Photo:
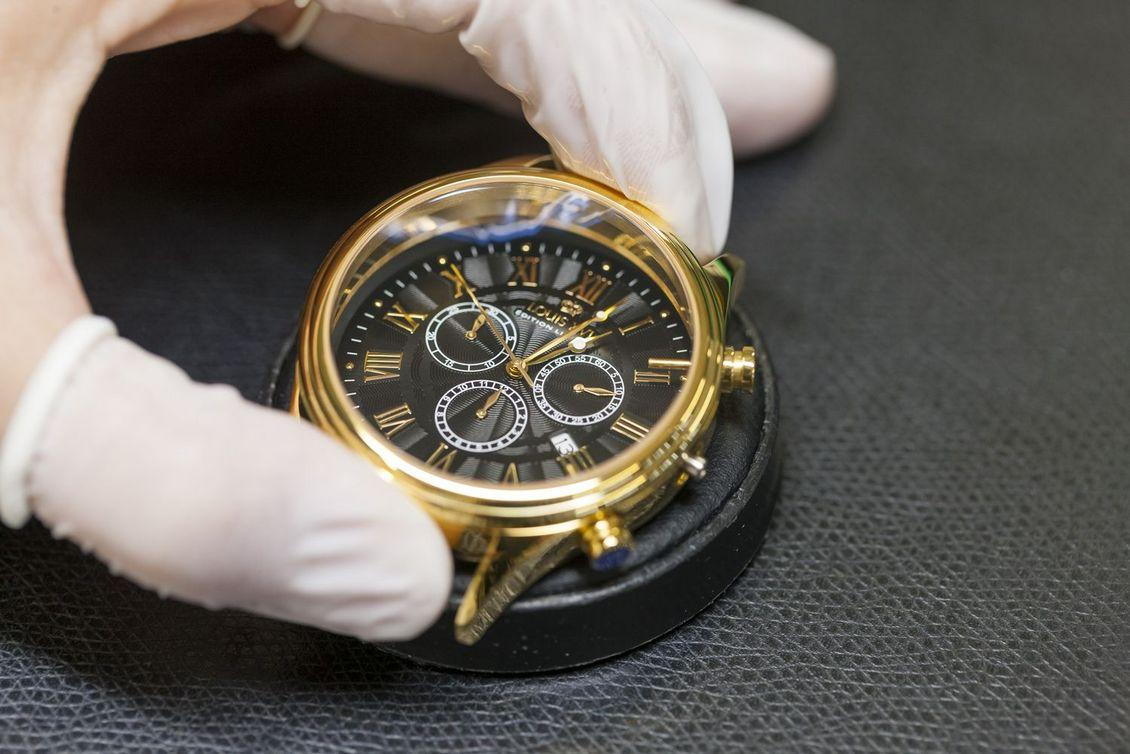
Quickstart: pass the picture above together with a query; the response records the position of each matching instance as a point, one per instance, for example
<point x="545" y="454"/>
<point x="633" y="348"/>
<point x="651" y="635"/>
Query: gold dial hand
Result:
<point x="516" y="364"/>
<point x="474" y="331"/>
<point x="576" y="345"/>
<point x="599" y="316"/>
<point x="604" y="392"/>
<point x="490" y="401"/>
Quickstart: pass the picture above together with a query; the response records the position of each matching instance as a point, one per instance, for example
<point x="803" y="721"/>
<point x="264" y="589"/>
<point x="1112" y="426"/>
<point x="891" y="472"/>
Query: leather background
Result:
<point x="941" y="274"/>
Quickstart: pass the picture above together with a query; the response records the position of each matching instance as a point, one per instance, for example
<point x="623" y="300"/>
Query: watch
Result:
<point x="533" y="358"/>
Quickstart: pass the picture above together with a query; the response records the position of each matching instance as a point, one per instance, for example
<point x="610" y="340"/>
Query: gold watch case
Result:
<point x="519" y="531"/>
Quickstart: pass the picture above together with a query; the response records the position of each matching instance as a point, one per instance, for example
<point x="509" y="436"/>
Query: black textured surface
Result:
<point x="683" y="559"/>
<point x="941" y="274"/>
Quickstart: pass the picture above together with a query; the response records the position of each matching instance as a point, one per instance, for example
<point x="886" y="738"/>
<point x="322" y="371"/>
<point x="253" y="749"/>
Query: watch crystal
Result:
<point x="510" y="350"/>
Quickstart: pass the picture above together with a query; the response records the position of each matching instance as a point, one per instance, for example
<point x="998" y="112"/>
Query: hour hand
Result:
<point x="492" y="399"/>
<point x="473" y="333"/>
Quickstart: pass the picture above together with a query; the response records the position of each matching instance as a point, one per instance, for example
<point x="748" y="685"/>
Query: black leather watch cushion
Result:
<point x="941" y="275"/>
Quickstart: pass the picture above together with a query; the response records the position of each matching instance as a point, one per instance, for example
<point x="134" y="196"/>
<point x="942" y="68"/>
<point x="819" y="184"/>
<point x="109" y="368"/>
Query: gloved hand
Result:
<point x="190" y="490"/>
<point x="618" y="111"/>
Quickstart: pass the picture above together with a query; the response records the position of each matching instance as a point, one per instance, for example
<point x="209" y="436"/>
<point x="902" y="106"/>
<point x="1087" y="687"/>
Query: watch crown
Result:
<point x="739" y="366"/>
<point x="607" y="542"/>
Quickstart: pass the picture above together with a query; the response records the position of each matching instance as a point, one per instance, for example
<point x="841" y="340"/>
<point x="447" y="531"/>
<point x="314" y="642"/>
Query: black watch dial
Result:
<point x="518" y="360"/>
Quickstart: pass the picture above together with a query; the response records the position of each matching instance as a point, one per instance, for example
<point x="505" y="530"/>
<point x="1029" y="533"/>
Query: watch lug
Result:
<point x="294" y="408"/>
<point x="507" y="568"/>
<point x="727" y="273"/>
<point x="471" y="619"/>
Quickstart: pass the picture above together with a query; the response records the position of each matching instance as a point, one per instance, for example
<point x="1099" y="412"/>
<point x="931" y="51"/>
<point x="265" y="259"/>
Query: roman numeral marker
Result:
<point x="629" y="428"/>
<point x="404" y="319"/>
<point x="637" y="325"/>
<point x="682" y="364"/>
<point x="525" y="271"/>
<point x="651" y="378"/>
<point x="590" y="287"/>
<point x="459" y="284"/>
<point x="442" y="457"/>
<point x="577" y="461"/>
<point x="510" y="476"/>
<point x="382" y="365"/>
<point x="394" y="420"/>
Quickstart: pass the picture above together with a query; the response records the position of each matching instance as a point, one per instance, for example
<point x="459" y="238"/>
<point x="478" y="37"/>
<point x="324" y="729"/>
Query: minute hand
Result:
<point x="573" y="346"/>
<point x="599" y="316"/>
<point x="519" y="364"/>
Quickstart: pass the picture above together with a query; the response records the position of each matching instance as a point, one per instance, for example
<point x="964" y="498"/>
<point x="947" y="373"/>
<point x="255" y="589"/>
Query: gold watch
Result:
<point x="533" y="358"/>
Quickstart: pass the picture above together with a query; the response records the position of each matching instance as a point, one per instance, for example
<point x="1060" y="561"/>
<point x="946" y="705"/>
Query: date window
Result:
<point x="563" y="443"/>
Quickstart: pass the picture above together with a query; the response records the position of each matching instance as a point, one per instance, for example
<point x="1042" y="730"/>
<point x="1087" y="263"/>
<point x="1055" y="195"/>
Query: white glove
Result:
<point x="198" y="494"/>
<point x="194" y="492"/>
<point x="651" y="130"/>
<point x="774" y="82"/>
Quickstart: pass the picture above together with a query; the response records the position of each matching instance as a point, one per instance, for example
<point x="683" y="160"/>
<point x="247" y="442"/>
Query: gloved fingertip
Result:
<point x="798" y="99"/>
<point x="227" y="504"/>
<point x="363" y="559"/>
<point x="774" y="81"/>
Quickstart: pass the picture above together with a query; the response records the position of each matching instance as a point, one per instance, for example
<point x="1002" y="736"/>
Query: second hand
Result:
<point x="517" y="364"/>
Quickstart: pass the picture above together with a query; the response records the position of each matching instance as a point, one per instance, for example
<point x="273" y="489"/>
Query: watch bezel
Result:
<point x="525" y="509"/>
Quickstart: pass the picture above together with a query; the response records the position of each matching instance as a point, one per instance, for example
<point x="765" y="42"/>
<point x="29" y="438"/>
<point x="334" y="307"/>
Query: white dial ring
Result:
<point x="482" y="388"/>
<point x="610" y="408"/>
<point x="485" y="334"/>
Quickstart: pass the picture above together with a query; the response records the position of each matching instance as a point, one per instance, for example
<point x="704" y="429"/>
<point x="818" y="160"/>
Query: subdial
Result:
<point x="462" y="338"/>
<point x="578" y="389"/>
<point x="481" y="416"/>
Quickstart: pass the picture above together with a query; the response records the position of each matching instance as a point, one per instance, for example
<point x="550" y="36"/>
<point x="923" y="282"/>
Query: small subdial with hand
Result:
<point x="481" y="416"/>
<point x="578" y="389"/>
<point x="460" y="337"/>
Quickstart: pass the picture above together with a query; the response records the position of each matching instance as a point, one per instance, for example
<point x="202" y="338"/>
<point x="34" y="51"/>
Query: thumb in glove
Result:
<point x="192" y="491"/>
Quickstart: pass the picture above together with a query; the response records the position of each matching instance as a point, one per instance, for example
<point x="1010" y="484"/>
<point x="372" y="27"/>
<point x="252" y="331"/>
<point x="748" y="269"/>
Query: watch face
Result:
<point x="513" y="353"/>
